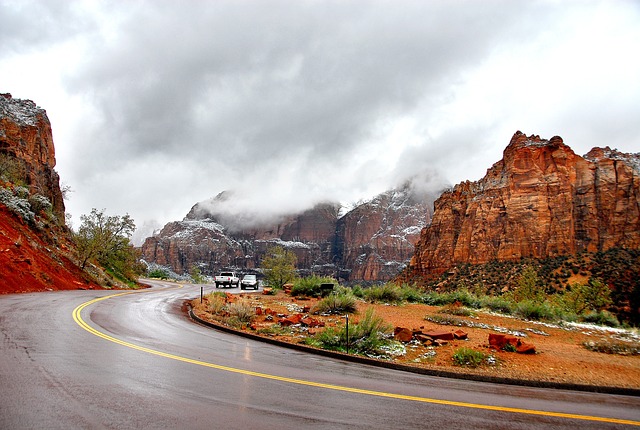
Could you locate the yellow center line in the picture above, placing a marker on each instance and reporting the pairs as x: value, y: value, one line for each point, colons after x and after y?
x: 77, y: 317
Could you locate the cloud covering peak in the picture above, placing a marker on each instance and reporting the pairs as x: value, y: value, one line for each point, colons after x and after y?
x: 158, y: 105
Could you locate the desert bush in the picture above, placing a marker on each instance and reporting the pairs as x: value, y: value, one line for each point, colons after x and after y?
x: 158, y: 273
x: 275, y: 330
x: 411, y: 294
x: 310, y: 286
x: 40, y: 203
x: 358, y: 291
x: 446, y: 320
x: 532, y: 310
x: 462, y: 296
x: 240, y: 313
x: 386, y: 293
x: 370, y: 336
x: 11, y: 169
x: 453, y: 309
x: 601, y: 318
x: 216, y: 303
x: 498, y: 304
x: 336, y: 303
x: 529, y: 288
x: 467, y: 357
x: 593, y: 296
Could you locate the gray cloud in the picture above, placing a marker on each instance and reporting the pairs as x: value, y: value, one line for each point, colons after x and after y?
x: 270, y: 78
x: 28, y: 25
x: 294, y: 102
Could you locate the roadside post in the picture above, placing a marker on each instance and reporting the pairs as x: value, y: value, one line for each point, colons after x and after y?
x: 347, y: 317
x: 201, y: 287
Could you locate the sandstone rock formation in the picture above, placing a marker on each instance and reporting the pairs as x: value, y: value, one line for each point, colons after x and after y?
x: 25, y: 135
x: 374, y: 241
x: 540, y: 200
x: 36, y: 251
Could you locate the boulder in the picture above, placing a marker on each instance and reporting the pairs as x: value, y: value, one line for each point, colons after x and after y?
x: 291, y: 320
x: 459, y: 334
x: 440, y: 335
x: 402, y: 334
x: 499, y: 341
x: 525, y: 348
x: 311, y: 322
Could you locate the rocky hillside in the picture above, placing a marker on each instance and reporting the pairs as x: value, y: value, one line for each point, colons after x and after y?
x: 25, y: 137
x: 541, y: 200
x: 36, y: 252
x: 375, y: 240
x: 371, y: 242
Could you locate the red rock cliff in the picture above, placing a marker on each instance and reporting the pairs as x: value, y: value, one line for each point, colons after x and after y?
x: 540, y: 200
x: 25, y: 134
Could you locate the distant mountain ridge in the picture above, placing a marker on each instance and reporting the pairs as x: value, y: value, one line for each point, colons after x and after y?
x: 372, y: 242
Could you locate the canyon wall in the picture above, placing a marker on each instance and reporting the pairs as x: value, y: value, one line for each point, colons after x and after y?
x: 25, y: 135
x: 540, y: 200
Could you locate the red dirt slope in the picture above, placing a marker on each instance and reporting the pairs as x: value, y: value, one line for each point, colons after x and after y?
x: 28, y: 263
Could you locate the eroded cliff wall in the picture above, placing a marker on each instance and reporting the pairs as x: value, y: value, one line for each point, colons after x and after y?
x: 25, y: 135
x: 540, y: 200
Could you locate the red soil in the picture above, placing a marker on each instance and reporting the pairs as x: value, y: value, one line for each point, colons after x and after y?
x: 28, y: 263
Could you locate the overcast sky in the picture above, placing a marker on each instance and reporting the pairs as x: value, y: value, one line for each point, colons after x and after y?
x: 156, y: 105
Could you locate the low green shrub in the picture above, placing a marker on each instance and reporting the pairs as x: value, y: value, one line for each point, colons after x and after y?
x: 336, y: 303
x: 370, y: 336
x: 536, y: 311
x: 310, y: 286
x: 158, y: 273
x: 358, y: 291
x: 240, y: 313
x: 386, y: 293
x: 446, y: 320
x: 467, y: 357
x: 498, y: 304
x: 601, y: 318
x: 411, y: 294
x: 216, y: 303
x: 453, y: 309
x: 275, y: 330
x: 463, y: 296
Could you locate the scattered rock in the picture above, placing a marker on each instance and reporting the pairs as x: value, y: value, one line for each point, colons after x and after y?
x: 311, y: 322
x: 290, y: 320
x: 500, y: 341
x: 459, y: 334
x: 440, y: 335
x: 525, y: 348
x: 402, y: 334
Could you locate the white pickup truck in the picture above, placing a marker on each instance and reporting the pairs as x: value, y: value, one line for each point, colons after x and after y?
x: 227, y: 279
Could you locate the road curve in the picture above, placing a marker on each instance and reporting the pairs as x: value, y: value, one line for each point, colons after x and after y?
x: 113, y: 360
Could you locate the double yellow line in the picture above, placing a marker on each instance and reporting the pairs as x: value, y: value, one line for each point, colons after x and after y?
x: 77, y: 317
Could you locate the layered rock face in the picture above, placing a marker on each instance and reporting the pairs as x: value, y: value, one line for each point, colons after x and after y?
x: 37, y: 252
x: 374, y: 241
x: 25, y: 135
x: 540, y: 200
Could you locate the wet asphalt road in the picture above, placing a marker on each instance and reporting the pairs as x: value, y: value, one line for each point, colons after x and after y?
x: 141, y: 363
